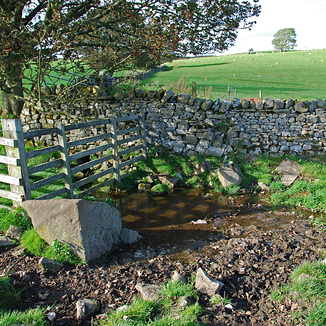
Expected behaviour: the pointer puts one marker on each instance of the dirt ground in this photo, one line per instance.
(250, 260)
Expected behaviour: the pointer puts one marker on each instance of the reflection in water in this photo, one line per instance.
(165, 221)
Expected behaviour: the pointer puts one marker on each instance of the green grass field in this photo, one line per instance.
(294, 74)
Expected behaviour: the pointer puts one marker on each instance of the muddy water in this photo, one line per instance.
(172, 223)
(179, 215)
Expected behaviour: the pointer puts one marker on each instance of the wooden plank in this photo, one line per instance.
(143, 135)
(53, 194)
(46, 181)
(93, 189)
(79, 155)
(87, 124)
(42, 151)
(134, 160)
(130, 150)
(38, 133)
(65, 160)
(126, 131)
(12, 129)
(127, 140)
(88, 165)
(92, 178)
(11, 195)
(45, 166)
(8, 142)
(9, 160)
(11, 180)
(128, 118)
(88, 140)
(115, 149)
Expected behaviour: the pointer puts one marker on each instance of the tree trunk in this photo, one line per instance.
(13, 100)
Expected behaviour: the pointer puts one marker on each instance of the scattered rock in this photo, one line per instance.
(177, 277)
(263, 187)
(14, 232)
(304, 277)
(169, 180)
(160, 189)
(206, 284)
(229, 306)
(144, 187)
(183, 302)
(129, 237)
(50, 265)
(86, 308)
(51, 316)
(229, 175)
(6, 241)
(290, 171)
(148, 291)
(199, 221)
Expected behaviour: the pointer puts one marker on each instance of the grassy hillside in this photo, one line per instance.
(295, 74)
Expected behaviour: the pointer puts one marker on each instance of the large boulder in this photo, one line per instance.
(91, 228)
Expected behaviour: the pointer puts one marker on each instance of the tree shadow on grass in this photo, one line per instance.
(204, 65)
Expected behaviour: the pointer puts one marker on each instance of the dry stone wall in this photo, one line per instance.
(190, 125)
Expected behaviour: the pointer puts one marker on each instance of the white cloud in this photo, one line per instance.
(305, 16)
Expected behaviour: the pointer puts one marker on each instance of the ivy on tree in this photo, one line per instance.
(42, 38)
(285, 39)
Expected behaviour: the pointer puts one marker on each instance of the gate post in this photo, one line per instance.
(12, 129)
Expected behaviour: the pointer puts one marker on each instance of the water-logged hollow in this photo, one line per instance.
(167, 221)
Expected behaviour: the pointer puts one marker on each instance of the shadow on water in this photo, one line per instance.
(168, 224)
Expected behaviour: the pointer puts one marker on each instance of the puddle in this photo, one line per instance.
(167, 222)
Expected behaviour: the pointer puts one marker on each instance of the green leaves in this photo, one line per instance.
(285, 39)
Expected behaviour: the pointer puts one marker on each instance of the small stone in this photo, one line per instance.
(199, 221)
(207, 105)
(148, 291)
(51, 316)
(245, 104)
(123, 308)
(229, 306)
(304, 277)
(183, 302)
(119, 96)
(14, 232)
(177, 277)
(86, 308)
(262, 186)
(6, 241)
(129, 237)
(206, 284)
(50, 265)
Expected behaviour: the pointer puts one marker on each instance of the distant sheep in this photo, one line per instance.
(272, 65)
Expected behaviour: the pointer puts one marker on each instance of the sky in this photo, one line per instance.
(307, 17)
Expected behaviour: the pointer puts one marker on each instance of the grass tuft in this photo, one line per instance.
(163, 311)
(33, 317)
